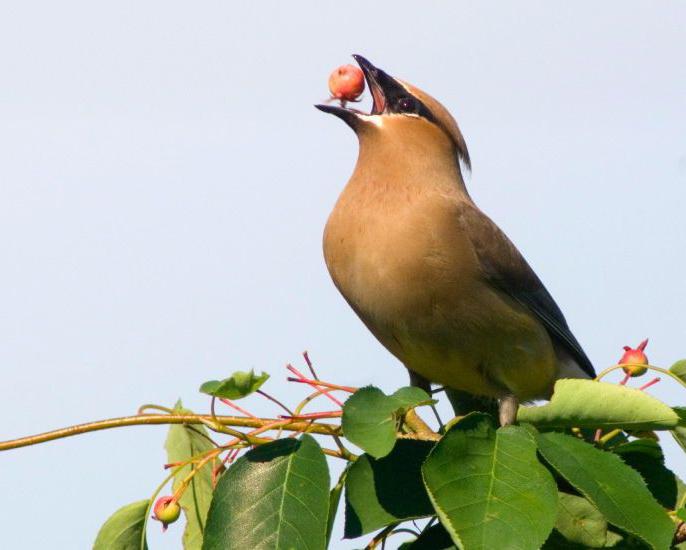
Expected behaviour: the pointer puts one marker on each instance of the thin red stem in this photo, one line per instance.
(315, 416)
(316, 383)
(275, 400)
(237, 407)
(327, 393)
(648, 384)
(309, 365)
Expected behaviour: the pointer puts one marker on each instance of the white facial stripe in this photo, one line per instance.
(376, 120)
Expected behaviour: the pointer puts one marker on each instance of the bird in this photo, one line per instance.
(433, 278)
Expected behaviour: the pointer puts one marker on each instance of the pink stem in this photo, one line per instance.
(317, 415)
(316, 384)
(648, 384)
(626, 379)
(234, 406)
(275, 400)
(309, 365)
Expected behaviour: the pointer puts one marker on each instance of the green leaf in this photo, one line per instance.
(588, 404)
(645, 456)
(614, 488)
(368, 421)
(409, 397)
(184, 442)
(334, 500)
(433, 538)
(678, 369)
(487, 486)
(370, 417)
(580, 522)
(679, 435)
(239, 384)
(681, 413)
(382, 491)
(124, 529)
(275, 497)
(557, 541)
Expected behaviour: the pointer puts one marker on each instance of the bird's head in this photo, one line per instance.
(401, 113)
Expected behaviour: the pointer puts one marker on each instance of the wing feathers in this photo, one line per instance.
(505, 268)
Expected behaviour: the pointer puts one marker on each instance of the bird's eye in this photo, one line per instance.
(406, 105)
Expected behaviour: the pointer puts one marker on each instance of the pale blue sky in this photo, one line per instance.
(164, 182)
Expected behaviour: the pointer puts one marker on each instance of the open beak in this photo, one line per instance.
(376, 79)
(380, 85)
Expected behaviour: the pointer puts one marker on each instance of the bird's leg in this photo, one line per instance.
(463, 403)
(507, 409)
(419, 381)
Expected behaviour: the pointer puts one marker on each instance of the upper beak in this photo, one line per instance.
(379, 84)
(377, 80)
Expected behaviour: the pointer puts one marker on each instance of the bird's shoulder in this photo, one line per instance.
(499, 259)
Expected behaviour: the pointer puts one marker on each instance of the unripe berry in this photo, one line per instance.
(346, 83)
(166, 510)
(635, 358)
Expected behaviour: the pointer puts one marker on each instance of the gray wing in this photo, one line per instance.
(505, 268)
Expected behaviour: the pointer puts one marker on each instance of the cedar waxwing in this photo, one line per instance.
(430, 275)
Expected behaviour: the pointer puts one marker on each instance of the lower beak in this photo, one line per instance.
(377, 80)
(348, 116)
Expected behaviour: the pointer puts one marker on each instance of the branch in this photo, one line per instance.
(155, 419)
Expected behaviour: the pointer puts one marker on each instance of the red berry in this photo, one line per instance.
(635, 358)
(346, 83)
(166, 510)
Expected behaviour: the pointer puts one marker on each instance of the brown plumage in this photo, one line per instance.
(430, 275)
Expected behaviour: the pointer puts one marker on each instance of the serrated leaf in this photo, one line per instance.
(681, 413)
(487, 486)
(645, 456)
(678, 369)
(679, 435)
(370, 417)
(588, 404)
(184, 442)
(614, 488)
(124, 529)
(334, 501)
(275, 497)
(580, 522)
(239, 384)
(382, 491)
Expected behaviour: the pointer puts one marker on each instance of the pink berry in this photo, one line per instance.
(634, 358)
(166, 510)
(346, 83)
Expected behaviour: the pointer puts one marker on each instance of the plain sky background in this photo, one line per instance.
(164, 183)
